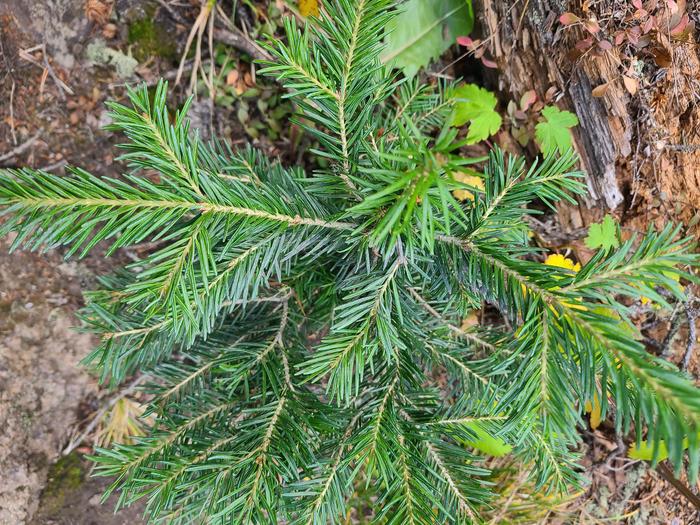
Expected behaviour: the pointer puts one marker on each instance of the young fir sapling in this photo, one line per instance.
(302, 330)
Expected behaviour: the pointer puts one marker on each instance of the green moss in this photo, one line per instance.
(150, 39)
(65, 476)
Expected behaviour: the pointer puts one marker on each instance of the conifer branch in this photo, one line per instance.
(452, 484)
(267, 409)
(455, 329)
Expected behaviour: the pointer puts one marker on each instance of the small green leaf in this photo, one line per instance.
(486, 443)
(553, 133)
(423, 31)
(475, 105)
(625, 327)
(646, 451)
(603, 235)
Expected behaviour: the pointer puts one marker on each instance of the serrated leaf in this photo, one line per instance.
(553, 133)
(603, 235)
(424, 30)
(476, 105)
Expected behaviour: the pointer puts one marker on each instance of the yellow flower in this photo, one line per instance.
(471, 180)
(560, 261)
(308, 8)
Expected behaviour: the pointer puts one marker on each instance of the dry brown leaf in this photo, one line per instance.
(599, 91)
(232, 77)
(98, 11)
(631, 84)
(109, 31)
(661, 56)
(549, 95)
(591, 26)
(470, 321)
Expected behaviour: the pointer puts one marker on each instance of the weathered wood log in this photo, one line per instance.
(528, 43)
(633, 147)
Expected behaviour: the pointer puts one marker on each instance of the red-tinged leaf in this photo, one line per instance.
(638, 4)
(465, 41)
(681, 26)
(633, 35)
(673, 6)
(648, 25)
(644, 41)
(520, 115)
(620, 37)
(489, 63)
(584, 44)
(605, 45)
(591, 26)
(568, 19)
(640, 14)
(528, 99)
(631, 84)
(599, 91)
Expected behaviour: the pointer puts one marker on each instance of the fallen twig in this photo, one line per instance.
(21, 148)
(55, 165)
(26, 54)
(667, 343)
(12, 114)
(196, 34)
(238, 40)
(683, 148)
(678, 485)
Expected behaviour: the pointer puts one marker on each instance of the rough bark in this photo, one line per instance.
(634, 148)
